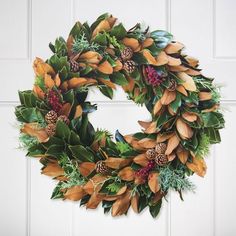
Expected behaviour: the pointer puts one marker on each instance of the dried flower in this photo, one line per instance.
(152, 76)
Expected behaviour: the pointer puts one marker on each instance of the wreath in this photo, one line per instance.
(134, 170)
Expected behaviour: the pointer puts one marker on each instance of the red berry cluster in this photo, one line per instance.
(144, 172)
(152, 76)
(53, 99)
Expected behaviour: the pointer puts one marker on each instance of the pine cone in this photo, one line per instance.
(64, 119)
(172, 85)
(51, 129)
(161, 159)
(129, 66)
(161, 148)
(51, 117)
(101, 168)
(151, 154)
(126, 54)
(74, 66)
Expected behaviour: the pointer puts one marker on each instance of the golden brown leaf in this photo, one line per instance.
(130, 86)
(103, 25)
(48, 81)
(65, 110)
(147, 143)
(179, 68)
(41, 68)
(168, 97)
(78, 111)
(90, 57)
(117, 163)
(131, 42)
(173, 61)
(181, 89)
(182, 155)
(94, 183)
(118, 66)
(172, 143)
(74, 193)
(134, 203)
(147, 42)
(192, 61)
(53, 170)
(57, 80)
(198, 166)
(121, 205)
(163, 137)
(126, 174)
(189, 116)
(174, 47)
(85, 168)
(105, 68)
(38, 92)
(204, 96)
(152, 128)
(192, 72)
(161, 59)
(107, 82)
(153, 182)
(144, 124)
(141, 160)
(188, 83)
(150, 58)
(184, 129)
(76, 82)
(157, 107)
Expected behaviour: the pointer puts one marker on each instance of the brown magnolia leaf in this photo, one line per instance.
(171, 111)
(181, 89)
(134, 203)
(126, 174)
(150, 58)
(65, 110)
(174, 47)
(152, 128)
(53, 170)
(204, 96)
(110, 51)
(91, 57)
(163, 137)
(213, 108)
(33, 129)
(102, 26)
(192, 72)
(168, 97)
(64, 86)
(157, 107)
(122, 190)
(188, 83)
(57, 80)
(198, 166)
(147, 42)
(172, 143)
(158, 196)
(107, 82)
(189, 116)
(144, 124)
(94, 183)
(69, 43)
(48, 81)
(182, 155)
(78, 111)
(94, 200)
(117, 163)
(184, 129)
(192, 61)
(153, 182)
(131, 42)
(161, 59)
(135, 144)
(171, 157)
(74, 193)
(129, 138)
(38, 92)
(121, 205)
(118, 66)
(173, 61)
(105, 68)
(179, 68)
(76, 82)
(85, 168)
(41, 68)
(147, 143)
(141, 159)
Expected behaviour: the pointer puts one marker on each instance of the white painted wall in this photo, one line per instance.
(206, 27)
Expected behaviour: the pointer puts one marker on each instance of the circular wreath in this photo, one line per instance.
(134, 170)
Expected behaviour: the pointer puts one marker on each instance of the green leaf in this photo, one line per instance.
(118, 78)
(74, 139)
(155, 209)
(100, 39)
(118, 31)
(213, 119)
(62, 130)
(76, 29)
(213, 134)
(139, 58)
(176, 103)
(81, 153)
(108, 92)
(55, 150)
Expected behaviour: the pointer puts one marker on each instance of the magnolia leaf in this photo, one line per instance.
(182, 90)
(152, 128)
(150, 58)
(74, 193)
(105, 68)
(184, 129)
(182, 155)
(157, 107)
(172, 143)
(174, 47)
(153, 182)
(141, 159)
(117, 163)
(147, 143)
(48, 81)
(121, 205)
(134, 203)
(147, 42)
(189, 116)
(107, 83)
(161, 59)
(168, 97)
(131, 42)
(53, 170)
(203, 96)
(188, 81)
(173, 61)
(163, 137)
(85, 168)
(198, 166)
(126, 174)
(78, 111)
(144, 124)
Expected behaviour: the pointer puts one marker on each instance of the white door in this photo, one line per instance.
(206, 27)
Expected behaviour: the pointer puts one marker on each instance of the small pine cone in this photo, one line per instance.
(64, 119)
(51, 129)
(161, 148)
(51, 117)
(151, 154)
(161, 159)
(126, 54)
(74, 66)
(172, 85)
(129, 66)
(101, 168)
